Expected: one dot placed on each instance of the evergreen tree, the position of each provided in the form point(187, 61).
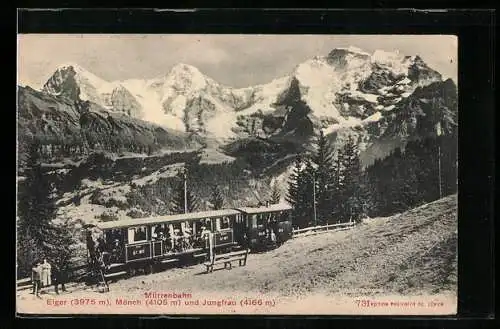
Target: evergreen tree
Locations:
point(296, 194)
point(366, 196)
point(179, 198)
point(216, 198)
point(36, 210)
point(275, 194)
point(449, 159)
point(373, 183)
point(308, 193)
point(350, 188)
point(325, 175)
point(60, 247)
point(396, 191)
point(335, 189)
point(426, 151)
point(292, 196)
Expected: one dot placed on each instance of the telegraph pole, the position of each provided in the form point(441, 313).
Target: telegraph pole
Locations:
point(439, 170)
point(314, 199)
point(438, 133)
point(184, 175)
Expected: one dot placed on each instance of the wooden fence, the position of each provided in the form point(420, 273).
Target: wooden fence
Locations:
point(312, 230)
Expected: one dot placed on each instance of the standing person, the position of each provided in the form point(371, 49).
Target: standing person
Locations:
point(101, 245)
point(46, 273)
point(204, 236)
point(59, 277)
point(36, 275)
point(91, 247)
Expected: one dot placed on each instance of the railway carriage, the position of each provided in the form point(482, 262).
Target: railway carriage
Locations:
point(267, 226)
point(125, 246)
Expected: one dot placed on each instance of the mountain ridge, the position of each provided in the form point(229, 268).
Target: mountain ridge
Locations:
point(186, 99)
point(347, 92)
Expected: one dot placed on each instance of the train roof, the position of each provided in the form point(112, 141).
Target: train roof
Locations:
point(270, 208)
point(166, 219)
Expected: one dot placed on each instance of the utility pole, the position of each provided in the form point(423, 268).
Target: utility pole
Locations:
point(438, 139)
point(184, 175)
point(314, 199)
point(439, 170)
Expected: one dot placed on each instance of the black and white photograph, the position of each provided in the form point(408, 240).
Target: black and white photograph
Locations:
point(237, 174)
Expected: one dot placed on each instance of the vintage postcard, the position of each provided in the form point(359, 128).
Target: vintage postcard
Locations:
point(237, 174)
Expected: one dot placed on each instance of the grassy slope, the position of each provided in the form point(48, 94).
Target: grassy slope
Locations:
point(414, 252)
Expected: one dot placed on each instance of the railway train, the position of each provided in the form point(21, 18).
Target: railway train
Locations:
point(123, 247)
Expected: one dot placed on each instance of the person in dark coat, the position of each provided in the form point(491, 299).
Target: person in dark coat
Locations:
point(36, 278)
point(59, 278)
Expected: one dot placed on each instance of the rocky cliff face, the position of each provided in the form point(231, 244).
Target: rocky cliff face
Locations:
point(65, 127)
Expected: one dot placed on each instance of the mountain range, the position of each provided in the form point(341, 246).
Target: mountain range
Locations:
point(150, 126)
point(383, 98)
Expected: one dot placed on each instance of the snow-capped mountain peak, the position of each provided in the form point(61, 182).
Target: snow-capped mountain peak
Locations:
point(185, 78)
point(84, 75)
point(345, 88)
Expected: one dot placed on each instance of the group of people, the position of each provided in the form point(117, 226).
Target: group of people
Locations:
point(111, 249)
point(43, 274)
point(179, 240)
point(271, 235)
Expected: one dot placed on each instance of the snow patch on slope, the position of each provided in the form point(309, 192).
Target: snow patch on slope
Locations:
point(373, 118)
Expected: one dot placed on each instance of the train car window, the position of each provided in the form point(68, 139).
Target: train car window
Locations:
point(254, 221)
point(158, 231)
point(198, 227)
point(260, 219)
point(225, 223)
point(170, 230)
point(186, 228)
point(136, 234)
point(208, 224)
point(283, 217)
point(177, 230)
point(195, 227)
point(270, 217)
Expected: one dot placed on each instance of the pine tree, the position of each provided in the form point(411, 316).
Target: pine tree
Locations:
point(449, 159)
point(275, 194)
point(292, 196)
point(350, 189)
point(325, 175)
point(36, 210)
point(307, 191)
point(335, 189)
point(295, 195)
point(373, 186)
point(409, 171)
point(396, 192)
point(178, 202)
point(60, 247)
point(216, 198)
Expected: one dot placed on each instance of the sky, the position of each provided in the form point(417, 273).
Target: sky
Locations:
point(233, 60)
